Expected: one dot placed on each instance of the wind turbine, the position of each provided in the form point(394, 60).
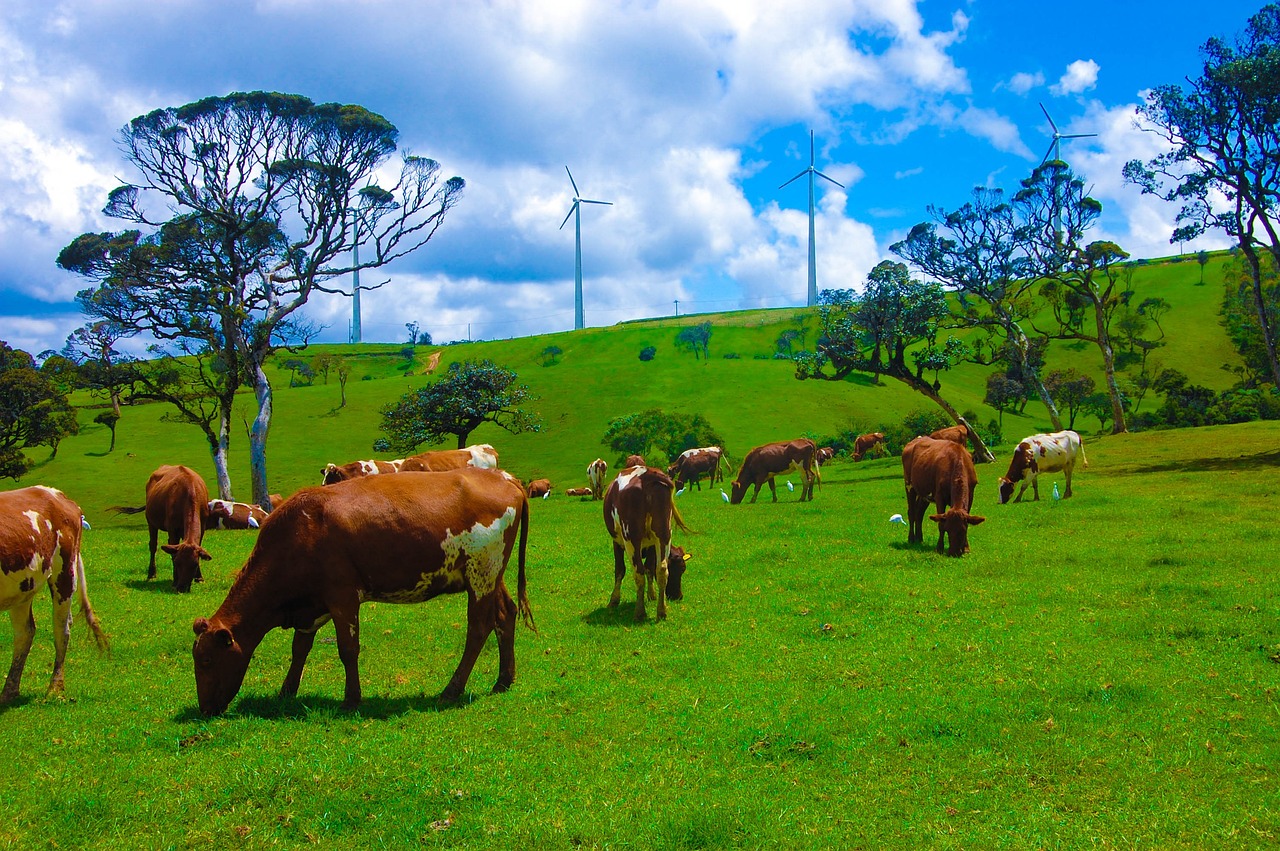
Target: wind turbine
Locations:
point(1055, 148)
point(813, 255)
point(576, 212)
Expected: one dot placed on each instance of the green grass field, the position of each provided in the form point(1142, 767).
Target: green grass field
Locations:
point(1098, 672)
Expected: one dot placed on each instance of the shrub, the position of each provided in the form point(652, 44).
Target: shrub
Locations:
point(732, 356)
point(647, 353)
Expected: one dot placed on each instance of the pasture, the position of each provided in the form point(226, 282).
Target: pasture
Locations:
point(1098, 672)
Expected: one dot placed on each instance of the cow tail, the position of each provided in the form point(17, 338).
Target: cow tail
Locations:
point(82, 591)
point(522, 592)
point(675, 514)
point(120, 509)
point(1084, 461)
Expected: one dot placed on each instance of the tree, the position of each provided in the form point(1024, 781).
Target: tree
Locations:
point(654, 429)
point(1070, 387)
point(1221, 129)
point(262, 190)
point(1058, 212)
point(32, 411)
point(470, 393)
point(344, 372)
point(298, 367)
point(872, 333)
point(109, 419)
point(1241, 317)
point(980, 252)
point(785, 341)
point(1002, 392)
point(412, 328)
point(550, 356)
point(1202, 257)
point(696, 338)
point(102, 369)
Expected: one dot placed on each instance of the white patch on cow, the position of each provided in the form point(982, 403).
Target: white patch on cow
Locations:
point(34, 517)
point(483, 456)
point(369, 468)
point(397, 464)
point(629, 475)
point(482, 546)
point(11, 592)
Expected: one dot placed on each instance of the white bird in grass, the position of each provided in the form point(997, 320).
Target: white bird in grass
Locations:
point(725, 495)
point(1056, 496)
point(897, 518)
point(680, 491)
point(547, 494)
point(84, 522)
point(790, 486)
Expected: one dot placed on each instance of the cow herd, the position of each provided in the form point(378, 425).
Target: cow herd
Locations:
point(445, 522)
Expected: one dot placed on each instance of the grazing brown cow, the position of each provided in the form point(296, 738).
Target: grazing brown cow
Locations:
point(638, 510)
point(865, 443)
point(539, 488)
point(481, 455)
point(824, 454)
point(941, 472)
point(334, 473)
point(1042, 453)
point(224, 514)
point(595, 477)
point(693, 464)
point(963, 434)
point(38, 526)
point(772, 459)
point(578, 492)
point(391, 539)
point(634, 461)
point(177, 500)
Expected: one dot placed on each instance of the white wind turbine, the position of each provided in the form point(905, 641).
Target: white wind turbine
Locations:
point(1055, 148)
point(813, 254)
point(576, 212)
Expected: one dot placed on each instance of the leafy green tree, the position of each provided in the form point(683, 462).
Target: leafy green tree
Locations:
point(109, 419)
point(1202, 257)
point(979, 251)
point(1002, 392)
point(344, 372)
point(872, 332)
point(261, 191)
point(643, 433)
point(298, 367)
point(468, 394)
point(550, 356)
point(103, 369)
point(695, 338)
point(1241, 317)
point(32, 411)
point(323, 364)
point(1070, 387)
point(1222, 143)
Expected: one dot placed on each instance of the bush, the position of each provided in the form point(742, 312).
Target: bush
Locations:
point(732, 356)
point(647, 353)
point(761, 357)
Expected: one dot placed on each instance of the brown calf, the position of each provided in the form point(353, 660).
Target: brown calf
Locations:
point(772, 459)
point(578, 492)
point(223, 514)
point(693, 464)
point(941, 472)
point(865, 443)
point(392, 539)
point(177, 500)
point(38, 527)
point(539, 488)
point(638, 510)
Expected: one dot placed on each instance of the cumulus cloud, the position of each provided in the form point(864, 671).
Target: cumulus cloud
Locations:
point(1023, 82)
point(1080, 76)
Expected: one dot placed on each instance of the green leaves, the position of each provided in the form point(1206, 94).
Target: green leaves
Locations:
point(470, 393)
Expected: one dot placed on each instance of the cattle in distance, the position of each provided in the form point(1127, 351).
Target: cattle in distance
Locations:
point(763, 463)
point(177, 503)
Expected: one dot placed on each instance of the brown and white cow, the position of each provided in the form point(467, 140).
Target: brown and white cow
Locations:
point(1042, 453)
point(864, 443)
point(334, 473)
point(539, 488)
point(225, 514)
point(40, 531)
point(940, 472)
point(595, 477)
point(578, 492)
point(481, 456)
point(634, 461)
point(177, 500)
point(638, 510)
point(693, 464)
point(392, 539)
point(824, 454)
point(772, 459)
point(964, 434)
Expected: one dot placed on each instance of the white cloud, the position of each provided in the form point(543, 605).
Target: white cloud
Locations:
point(1081, 76)
point(1023, 82)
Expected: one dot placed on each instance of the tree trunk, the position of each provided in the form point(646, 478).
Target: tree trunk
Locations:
point(218, 445)
point(1109, 370)
point(1260, 305)
point(112, 447)
point(258, 438)
point(1019, 339)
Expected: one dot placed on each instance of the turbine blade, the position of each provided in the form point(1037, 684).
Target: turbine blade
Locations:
point(794, 179)
point(824, 177)
point(576, 193)
point(589, 201)
point(570, 213)
point(1045, 158)
point(1051, 124)
point(1080, 136)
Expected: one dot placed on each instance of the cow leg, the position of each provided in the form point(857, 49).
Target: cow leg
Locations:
point(346, 622)
point(1035, 487)
point(24, 632)
point(915, 518)
point(756, 493)
point(151, 566)
point(640, 579)
point(506, 629)
point(661, 574)
point(942, 532)
point(61, 632)
point(302, 642)
point(481, 619)
point(773, 489)
point(1022, 490)
point(619, 573)
point(1067, 471)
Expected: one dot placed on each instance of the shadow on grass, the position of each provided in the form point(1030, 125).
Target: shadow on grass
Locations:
point(156, 586)
point(1210, 465)
point(621, 615)
point(323, 707)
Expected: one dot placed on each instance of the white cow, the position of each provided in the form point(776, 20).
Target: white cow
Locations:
point(595, 475)
point(1042, 453)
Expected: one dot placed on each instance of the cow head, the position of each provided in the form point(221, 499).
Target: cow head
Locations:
point(737, 490)
point(331, 474)
point(955, 523)
point(1006, 490)
point(220, 666)
point(186, 563)
point(676, 563)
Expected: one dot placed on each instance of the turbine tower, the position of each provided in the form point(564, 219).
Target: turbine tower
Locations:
point(1055, 148)
point(576, 212)
point(813, 254)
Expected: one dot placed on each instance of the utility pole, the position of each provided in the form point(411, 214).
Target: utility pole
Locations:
point(677, 308)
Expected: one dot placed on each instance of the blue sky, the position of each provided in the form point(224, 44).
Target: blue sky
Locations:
point(688, 116)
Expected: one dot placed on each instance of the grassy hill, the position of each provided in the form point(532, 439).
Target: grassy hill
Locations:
point(598, 377)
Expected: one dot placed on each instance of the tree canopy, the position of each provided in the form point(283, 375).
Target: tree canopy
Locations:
point(33, 412)
point(468, 394)
point(670, 433)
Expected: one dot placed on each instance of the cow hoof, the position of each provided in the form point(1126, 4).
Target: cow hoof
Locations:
point(349, 706)
point(501, 687)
